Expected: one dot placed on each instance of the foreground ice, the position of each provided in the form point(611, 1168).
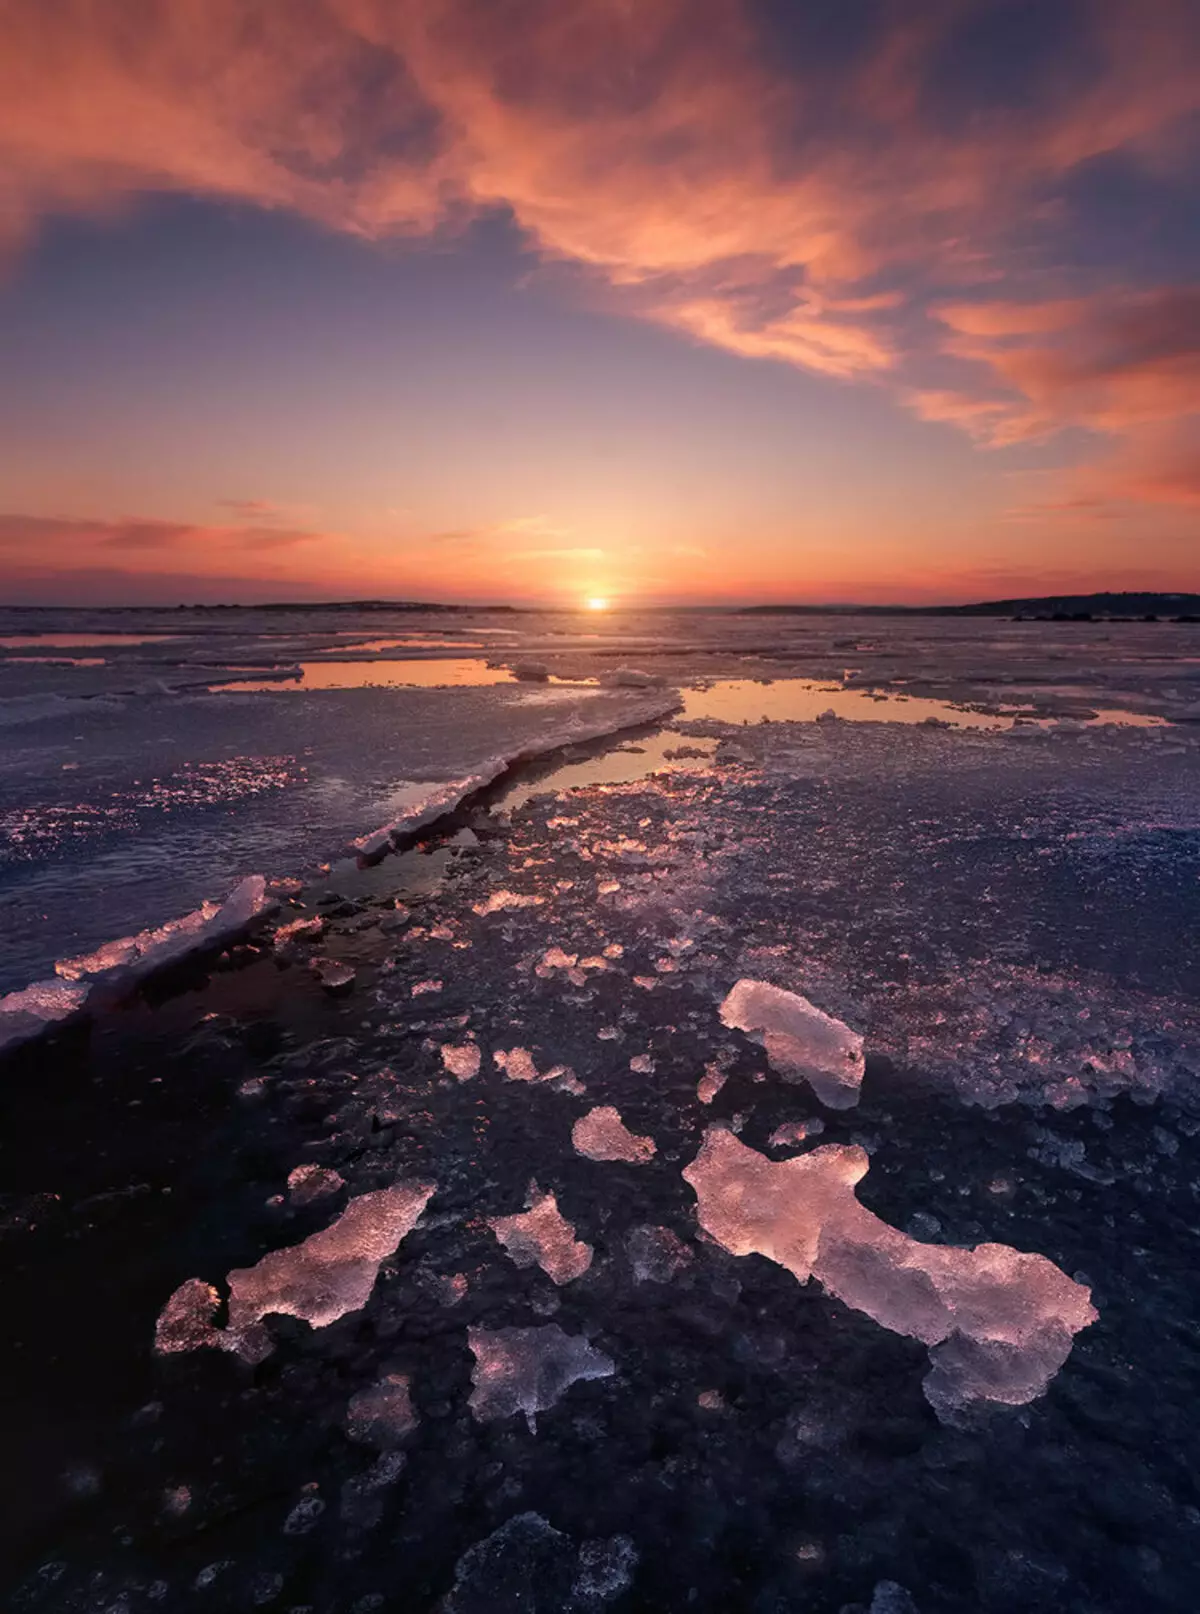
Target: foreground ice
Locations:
point(529, 1567)
point(999, 1323)
point(602, 1135)
point(382, 1414)
point(328, 1275)
point(542, 1235)
point(802, 1042)
point(529, 1369)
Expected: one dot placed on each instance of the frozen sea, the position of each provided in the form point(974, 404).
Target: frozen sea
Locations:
point(444, 1240)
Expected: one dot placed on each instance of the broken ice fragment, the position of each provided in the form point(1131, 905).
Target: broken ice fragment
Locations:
point(517, 1064)
point(999, 1322)
point(310, 1182)
point(802, 1043)
point(529, 1567)
point(186, 1321)
point(329, 1274)
point(299, 930)
point(602, 1135)
point(529, 1369)
point(382, 1414)
point(332, 1272)
point(462, 1059)
point(711, 1083)
point(656, 1254)
point(332, 975)
point(542, 1235)
point(794, 1132)
point(26, 1014)
point(499, 901)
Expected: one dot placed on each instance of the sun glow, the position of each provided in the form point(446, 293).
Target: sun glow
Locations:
point(596, 603)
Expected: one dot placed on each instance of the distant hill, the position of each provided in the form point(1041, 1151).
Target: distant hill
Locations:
point(1132, 607)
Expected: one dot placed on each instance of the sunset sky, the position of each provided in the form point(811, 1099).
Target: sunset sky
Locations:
point(659, 300)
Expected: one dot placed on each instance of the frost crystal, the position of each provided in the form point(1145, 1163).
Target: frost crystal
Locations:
point(999, 1322)
point(802, 1043)
point(529, 1369)
point(602, 1135)
point(542, 1235)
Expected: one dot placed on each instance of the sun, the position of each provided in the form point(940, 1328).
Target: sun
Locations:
point(596, 603)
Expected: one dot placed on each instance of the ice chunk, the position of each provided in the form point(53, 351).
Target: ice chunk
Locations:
point(308, 1183)
point(656, 1254)
point(186, 1321)
point(802, 1043)
point(461, 1059)
point(517, 1064)
point(212, 925)
point(711, 1083)
point(529, 1567)
point(542, 1235)
point(999, 1322)
point(27, 1014)
point(299, 930)
point(602, 1135)
point(333, 975)
point(529, 1369)
point(792, 1133)
point(501, 901)
point(382, 1414)
point(423, 804)
point(329, 1274)
point(332, 1272)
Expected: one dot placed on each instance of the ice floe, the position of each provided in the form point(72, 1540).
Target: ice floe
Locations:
point(462, 1060)
point(602, 1135)
point(328, 1275)
point(529, 1369)
point(999, 1322)
point(311, 1182)
point(542, 1235)
point(802, 1042)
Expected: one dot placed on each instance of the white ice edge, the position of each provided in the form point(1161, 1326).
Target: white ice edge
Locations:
point(445, 796)
point(85, 983)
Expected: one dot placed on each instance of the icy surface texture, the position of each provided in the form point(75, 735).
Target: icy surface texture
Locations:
point(602, 1135)
point(382, 1415)
point(1000, 1323)
point(26, 1014)
point(328, 1275)
point(542, 1236)
point(656, 1254)
point(462, 1060)
point(529, 1369)
point(529, 1567)
point(802, 1042)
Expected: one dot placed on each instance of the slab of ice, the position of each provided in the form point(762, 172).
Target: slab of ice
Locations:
point(542, 1235)
point(424, 803)
point(328, 1275)
point(382, 1414)
point(602, 1135)
point(27, 1014)
point(462, 1059)
point(299, 930)
point(999, 1322)
point(212, 925)
point(802, 1042)
point(529, 1369)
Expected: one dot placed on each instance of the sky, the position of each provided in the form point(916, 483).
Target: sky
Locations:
point(656, 301)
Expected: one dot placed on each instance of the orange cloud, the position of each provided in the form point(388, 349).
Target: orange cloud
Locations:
point(803, 214)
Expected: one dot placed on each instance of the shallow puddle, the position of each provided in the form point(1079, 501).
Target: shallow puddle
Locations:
point(73, 641)
point(423, 674)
